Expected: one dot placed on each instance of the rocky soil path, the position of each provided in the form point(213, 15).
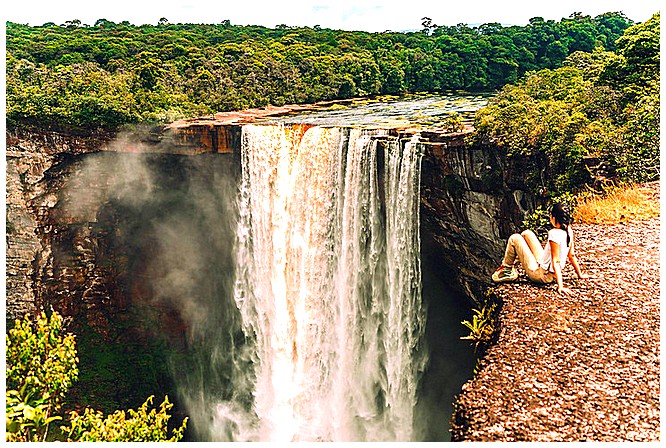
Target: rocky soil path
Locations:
point(583, 367)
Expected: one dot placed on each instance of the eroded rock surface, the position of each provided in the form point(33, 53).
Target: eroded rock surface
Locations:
point(583, 367)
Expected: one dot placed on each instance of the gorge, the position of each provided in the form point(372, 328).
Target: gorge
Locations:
point(276, 263)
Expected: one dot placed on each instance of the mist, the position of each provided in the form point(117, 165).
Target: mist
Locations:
point(175, 220)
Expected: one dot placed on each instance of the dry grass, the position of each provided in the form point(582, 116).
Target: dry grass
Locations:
point(620, 204)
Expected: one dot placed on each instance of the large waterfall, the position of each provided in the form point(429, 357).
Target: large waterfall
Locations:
point(328, 288)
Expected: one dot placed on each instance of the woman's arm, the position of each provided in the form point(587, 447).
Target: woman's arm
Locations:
point(555, 260)
point(574, 261)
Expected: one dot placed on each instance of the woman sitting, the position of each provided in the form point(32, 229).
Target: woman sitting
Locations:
point(542, 265)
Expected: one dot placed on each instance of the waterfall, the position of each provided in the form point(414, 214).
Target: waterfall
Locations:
point(328, 285)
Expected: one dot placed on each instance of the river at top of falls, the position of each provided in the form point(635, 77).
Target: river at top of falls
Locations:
point(328, 285)
point(422, 111)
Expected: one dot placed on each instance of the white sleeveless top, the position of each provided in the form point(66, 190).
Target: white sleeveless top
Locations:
point(560, 237)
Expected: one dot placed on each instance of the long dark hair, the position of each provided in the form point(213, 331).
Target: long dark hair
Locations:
point(563, 217)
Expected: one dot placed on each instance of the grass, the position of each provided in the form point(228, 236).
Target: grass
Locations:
point(619, 204)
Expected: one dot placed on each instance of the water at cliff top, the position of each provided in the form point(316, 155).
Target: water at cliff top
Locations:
point(425, 111)
point(328, 286)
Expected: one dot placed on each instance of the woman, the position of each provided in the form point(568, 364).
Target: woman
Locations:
point(542, 265)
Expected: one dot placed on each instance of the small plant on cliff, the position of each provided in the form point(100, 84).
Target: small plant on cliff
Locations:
point(481, 326)
point(41, 367)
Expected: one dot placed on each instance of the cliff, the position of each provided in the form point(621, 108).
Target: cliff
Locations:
point(58, 255)
point(116, 232)
point(84, 235)
point(579, 367)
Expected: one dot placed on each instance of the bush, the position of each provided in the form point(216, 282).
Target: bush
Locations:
point(539, 220)
point(453, 122)
point(140, 426)
point(41, 367)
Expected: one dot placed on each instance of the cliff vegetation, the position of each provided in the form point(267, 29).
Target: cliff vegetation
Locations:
point(600, 109)
point(42, 365)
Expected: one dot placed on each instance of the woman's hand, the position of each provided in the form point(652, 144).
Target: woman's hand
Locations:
point(563, 290)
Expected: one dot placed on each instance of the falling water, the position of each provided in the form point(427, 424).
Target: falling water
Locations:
point(328, 285)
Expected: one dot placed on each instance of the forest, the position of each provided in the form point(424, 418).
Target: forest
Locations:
point(600, 106)
point(106, 75)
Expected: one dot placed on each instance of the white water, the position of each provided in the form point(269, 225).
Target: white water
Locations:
point(328, 285)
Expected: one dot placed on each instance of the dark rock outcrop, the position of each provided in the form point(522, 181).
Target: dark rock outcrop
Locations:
point(472, 199)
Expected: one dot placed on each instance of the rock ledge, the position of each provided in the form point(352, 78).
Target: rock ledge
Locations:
point(578, 368)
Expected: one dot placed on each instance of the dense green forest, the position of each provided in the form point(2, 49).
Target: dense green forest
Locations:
point(110, 74)
point(599, 106)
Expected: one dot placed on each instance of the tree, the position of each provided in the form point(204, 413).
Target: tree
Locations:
point(600, 104)
point(427, 24)
point(639, 45)
point(72, 23)
point(542, 116)
point(103, 23)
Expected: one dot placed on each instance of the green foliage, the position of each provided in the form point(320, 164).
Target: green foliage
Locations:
point(599, 104)
point(110, 74)
point(639, 161)
point(639, 51)
point(139, 426)
point(453, 122)
point(539, 219)
point(481, 326)
point(105, 383)
point(41, 367)
point(636, 73)
point(27, 418)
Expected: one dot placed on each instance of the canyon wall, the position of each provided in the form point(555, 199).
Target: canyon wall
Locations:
point(472, 199)
point(64, 249)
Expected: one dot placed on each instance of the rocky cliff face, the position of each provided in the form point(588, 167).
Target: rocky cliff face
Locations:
point(69, 251)
point(472, 199)
point(31, 192)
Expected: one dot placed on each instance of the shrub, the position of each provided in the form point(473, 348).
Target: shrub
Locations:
point(41, 367)
point(539, 220)
point(482, 325)
point(139, 426)
point(453, 122)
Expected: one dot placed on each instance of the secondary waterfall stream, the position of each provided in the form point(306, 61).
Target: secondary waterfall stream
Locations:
point(328, 285)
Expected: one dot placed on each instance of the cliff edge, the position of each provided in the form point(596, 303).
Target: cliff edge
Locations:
point(583, 367)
